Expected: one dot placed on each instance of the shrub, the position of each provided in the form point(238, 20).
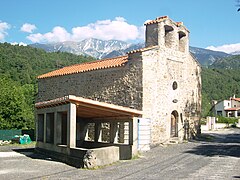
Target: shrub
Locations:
point(227, 120)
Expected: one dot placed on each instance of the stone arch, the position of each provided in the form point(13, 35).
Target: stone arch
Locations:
point(182, 41)
point(174, 124)
point(169, 36)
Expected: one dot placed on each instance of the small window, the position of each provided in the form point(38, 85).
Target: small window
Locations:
point(169, 36)
point(219, 113)
point(182, 41)
point(174, 85)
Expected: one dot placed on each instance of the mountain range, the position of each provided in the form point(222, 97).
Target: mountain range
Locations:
point(101, 49)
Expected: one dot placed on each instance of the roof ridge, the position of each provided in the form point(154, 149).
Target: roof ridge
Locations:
point(96, 61)
point(87, 66)
point(142, 49)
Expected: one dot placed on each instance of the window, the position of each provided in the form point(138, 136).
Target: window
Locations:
point(169, 36)
point(174, 85)
point(182, 41)
point(219, 113)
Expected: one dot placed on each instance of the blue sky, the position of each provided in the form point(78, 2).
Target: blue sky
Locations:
point(212, 23)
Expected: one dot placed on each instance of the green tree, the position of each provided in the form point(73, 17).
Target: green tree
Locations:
point(19, 67)
point(14, 111)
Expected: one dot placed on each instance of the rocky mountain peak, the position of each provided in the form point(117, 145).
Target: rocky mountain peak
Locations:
point(111, 48)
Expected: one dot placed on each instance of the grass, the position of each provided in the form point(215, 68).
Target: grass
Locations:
point(33, 143)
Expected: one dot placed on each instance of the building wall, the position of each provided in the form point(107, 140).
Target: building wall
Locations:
point(235, 103)
point(120, 86)
point(221, 106)
point(145, 82)
point(161, 67)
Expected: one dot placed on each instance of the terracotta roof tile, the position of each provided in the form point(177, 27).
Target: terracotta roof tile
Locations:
point(142, 49)
point(162, 18)
point(157, 20)
point(232, 109)
point(90, 66)
point(236, 99)
point(179, 24)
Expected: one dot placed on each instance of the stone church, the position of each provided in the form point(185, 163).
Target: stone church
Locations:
point(112, 108)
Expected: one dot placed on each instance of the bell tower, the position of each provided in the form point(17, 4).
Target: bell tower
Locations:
point(165, 33)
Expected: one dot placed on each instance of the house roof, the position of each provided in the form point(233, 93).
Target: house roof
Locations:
point(157, 20)
point(90, 66)
point(162, 18)
point(142, 49)
point(236, 99)
point(232, 109)
point(88, 108)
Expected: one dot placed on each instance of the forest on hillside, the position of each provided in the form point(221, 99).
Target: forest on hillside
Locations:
point(218, 84)
point(19, 67)
point(220, 81)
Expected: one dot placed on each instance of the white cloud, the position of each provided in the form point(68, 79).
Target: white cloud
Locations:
point(227, 48)
point(29, 28)
point(58, 34)
point(3, 27)
point(117, 29)
point(19, 44)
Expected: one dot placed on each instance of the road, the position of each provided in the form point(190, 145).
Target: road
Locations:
point(217, 156)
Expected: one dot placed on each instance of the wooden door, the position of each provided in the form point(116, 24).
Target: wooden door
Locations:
point(174, 124)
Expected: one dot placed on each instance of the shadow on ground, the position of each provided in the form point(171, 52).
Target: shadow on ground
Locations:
point(218, 144)
point(216, 150)
point(31, 153)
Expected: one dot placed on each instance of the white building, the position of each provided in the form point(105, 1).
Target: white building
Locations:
point(227, 108)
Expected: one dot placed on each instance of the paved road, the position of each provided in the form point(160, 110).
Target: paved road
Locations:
point(216, 158)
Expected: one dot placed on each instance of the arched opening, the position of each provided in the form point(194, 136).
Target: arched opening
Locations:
point(182, 41)
point(169, 36)
point(174, 124)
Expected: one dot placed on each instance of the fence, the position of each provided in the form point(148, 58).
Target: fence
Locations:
point(9, 134)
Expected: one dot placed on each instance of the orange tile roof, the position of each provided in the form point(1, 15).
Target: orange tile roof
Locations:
point(236, 99)
point(142, 49)
point(162, 18)
point(232, 109)
point(90, 66)
point(179, 24)
point(157, 20)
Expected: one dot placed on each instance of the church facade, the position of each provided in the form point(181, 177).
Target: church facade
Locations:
point(105, 101)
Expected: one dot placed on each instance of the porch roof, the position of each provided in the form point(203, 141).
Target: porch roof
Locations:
point(88, 108)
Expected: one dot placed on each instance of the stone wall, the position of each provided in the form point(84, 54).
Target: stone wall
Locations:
point(120, 86)
point(163, 66)
point(145, 82)
point(159, 97)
